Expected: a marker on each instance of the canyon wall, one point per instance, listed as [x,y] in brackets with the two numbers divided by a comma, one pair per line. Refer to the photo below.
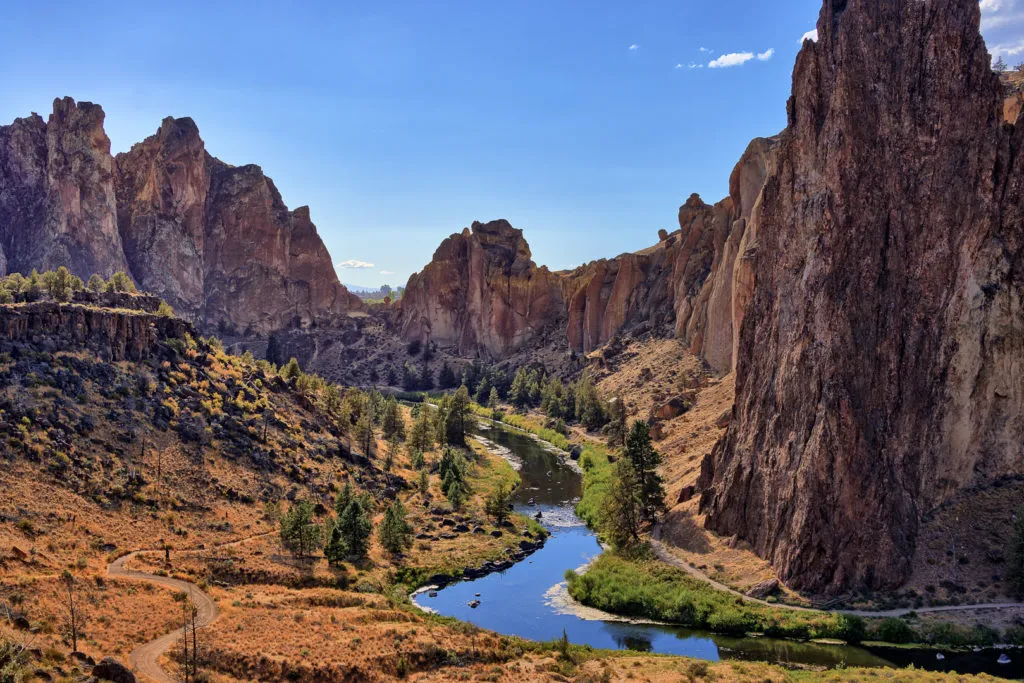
[481,294]
[215,241]
[881,356]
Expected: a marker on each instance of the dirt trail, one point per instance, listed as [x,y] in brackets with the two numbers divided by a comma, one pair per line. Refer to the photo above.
[145,659]
[663,554]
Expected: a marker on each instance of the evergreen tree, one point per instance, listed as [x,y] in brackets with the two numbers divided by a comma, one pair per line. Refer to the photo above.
[394,531]
[519,393]
[299,532]
[498,503]
[1015,561]
[446,378]
[492,398]
[345,496]
[453,417]
[645,461]
[96,284]
[364,433]
[616,423]
[355,529]
[392,424]
[424,482]
[335,551]
[589,408]
[291,370]
[421,437]
[410,382]
[622,509]
[483,391]
[426,382]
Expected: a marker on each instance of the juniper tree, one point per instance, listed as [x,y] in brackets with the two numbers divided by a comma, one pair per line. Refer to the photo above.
[394,531]
[622,510]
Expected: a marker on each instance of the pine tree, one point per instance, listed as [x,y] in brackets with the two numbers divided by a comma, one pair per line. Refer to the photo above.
[364,433]
[424,483]
[354,528]
[1015,561]
[335,551]
[345,496]
[622,509]
[392,424]
[519,393]
[299,532]
[446,378]
[645,461]
[96,284]
[291,370]
[492,398]
[394,532]
[616,423]
[497,504]
[483,391]
[421,437]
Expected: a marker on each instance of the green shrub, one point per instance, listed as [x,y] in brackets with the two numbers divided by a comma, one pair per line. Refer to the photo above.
[894,630]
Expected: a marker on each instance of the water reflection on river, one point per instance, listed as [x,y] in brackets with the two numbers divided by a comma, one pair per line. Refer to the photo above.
[526,601]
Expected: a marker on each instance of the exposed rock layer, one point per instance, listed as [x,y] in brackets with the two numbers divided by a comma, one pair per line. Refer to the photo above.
[481,293]
[216,241]
[881,356]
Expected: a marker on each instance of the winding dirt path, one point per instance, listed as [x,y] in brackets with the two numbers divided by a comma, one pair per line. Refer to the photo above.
[145,659]
[663,554]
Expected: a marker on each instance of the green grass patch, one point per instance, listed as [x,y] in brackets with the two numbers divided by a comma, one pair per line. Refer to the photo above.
[653,590]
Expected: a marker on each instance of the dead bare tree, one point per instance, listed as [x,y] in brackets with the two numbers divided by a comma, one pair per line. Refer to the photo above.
[74,618]
[190,649]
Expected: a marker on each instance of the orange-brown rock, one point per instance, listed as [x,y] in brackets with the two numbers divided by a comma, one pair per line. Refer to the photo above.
[215,241]
[880,356]
[57,201]
[218,242]
[481,294]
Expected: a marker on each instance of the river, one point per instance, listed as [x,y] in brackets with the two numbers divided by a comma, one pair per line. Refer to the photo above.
[529,599]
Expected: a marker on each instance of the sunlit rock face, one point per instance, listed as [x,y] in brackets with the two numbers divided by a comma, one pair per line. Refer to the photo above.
[880,356]
[215,241]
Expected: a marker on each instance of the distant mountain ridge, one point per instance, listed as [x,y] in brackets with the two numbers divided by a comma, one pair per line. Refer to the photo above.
[216,241]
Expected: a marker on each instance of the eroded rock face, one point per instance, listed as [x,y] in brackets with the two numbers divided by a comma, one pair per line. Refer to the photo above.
[218,241]
[215,241]
[481,293]
[880,356]
[57,201]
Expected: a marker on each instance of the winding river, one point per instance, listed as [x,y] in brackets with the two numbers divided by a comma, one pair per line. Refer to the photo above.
[529,599]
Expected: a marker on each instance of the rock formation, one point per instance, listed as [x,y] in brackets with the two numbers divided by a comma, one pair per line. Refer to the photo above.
[881,355]
[216,241]
[482,293]
[57,201]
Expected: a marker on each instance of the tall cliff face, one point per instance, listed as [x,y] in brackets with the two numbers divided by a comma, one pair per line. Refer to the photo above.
[481,293]
[881,356]
[215,241]
[57,201]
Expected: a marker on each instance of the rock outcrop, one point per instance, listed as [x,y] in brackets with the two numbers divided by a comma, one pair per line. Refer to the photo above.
[215,241]
[113,334]
[57,199]
[881,355]
[481,293]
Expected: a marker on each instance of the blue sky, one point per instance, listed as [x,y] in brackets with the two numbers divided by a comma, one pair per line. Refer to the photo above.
[398,123]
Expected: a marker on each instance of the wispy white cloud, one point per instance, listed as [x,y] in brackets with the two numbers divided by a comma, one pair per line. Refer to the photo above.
[353,264]
[387,272]
[696,66]
[766,55]
[634,47]
[679,66]
[706,50]
[731,59]
[811,35]
[1002,22]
